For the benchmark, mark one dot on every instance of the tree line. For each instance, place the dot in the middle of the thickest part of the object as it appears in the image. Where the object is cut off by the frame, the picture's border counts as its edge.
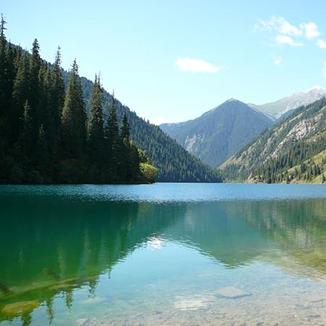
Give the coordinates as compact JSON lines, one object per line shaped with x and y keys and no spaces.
{"x":175,"y":164}
{"x":46,"y":136}
{"x":295,"y":164}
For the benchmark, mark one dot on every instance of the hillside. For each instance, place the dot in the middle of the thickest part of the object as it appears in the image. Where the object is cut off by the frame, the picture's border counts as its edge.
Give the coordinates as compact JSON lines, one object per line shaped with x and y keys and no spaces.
{"x":286,"y":105}
{"x":293,"y":151}
{"x":175,"y":164}
{"x":219,"y":133}
{"x":46,"y":135}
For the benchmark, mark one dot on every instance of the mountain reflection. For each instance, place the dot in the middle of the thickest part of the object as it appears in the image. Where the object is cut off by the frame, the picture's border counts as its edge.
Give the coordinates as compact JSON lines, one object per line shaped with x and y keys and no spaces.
{"x":53,"y":245}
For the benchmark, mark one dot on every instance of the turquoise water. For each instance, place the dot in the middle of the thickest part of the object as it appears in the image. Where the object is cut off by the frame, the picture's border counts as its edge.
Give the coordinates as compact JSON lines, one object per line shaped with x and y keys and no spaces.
{"x":170,"y":254}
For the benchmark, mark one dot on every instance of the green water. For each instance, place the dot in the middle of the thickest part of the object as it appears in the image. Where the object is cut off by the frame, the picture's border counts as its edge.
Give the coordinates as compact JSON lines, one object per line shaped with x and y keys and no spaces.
{"x":170,"y":254}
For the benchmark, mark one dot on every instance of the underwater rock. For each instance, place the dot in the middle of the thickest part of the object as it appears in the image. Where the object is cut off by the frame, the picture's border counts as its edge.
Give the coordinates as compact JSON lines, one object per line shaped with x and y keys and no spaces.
{"x":193,"y":302}
{"x":82,"y":321}
{"x":232,"y":293}
{"x":95,"y":300}
{"x":20,"y":307}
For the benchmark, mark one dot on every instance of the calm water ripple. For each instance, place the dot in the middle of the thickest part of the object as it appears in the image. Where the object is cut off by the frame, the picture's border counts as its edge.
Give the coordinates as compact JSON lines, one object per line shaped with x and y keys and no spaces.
{"x":169,"y":254}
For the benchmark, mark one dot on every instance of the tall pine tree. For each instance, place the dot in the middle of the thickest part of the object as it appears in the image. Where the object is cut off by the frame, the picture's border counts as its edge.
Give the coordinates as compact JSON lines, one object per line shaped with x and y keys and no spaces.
{"x":20,"y":92}
{"x":4,"y":98}
{"x":34,"y":95}
{"x":74,"y":118}
{"x":95,"y":128}
{"x":112,"y":144}
{"x":56,"y":102}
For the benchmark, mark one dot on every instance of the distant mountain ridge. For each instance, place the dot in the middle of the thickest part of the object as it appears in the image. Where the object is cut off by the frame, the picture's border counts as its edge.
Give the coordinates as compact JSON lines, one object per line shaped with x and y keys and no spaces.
{"x":292,"y":151}
{"x":287,"y":104}
{"x":217,"y":134}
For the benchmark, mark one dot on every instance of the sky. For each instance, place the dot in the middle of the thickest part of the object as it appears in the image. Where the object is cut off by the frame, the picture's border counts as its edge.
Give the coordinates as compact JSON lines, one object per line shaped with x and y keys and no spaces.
{"x":172,"y":60}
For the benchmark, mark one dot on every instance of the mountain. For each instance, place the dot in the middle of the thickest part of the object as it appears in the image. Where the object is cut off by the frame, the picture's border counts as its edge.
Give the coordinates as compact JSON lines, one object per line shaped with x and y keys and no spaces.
{"x":292,"y":151}
{"x":288,"y":104}
{"x":175,"y":164}
{"x":219,"y":133}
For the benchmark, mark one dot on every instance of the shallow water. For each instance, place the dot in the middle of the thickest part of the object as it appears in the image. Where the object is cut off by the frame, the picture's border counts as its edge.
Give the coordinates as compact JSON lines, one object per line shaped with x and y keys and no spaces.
{"x":186,"y":254}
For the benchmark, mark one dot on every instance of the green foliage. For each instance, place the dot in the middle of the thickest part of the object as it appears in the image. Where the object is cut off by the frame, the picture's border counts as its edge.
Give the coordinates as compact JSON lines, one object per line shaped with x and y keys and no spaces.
{"x":149,"y":171}
{"x":46,"y":135}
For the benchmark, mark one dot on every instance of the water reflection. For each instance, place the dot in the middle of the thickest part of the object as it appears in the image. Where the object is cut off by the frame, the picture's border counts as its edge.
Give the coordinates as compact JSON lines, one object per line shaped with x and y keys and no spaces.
{"x":55,"y":246}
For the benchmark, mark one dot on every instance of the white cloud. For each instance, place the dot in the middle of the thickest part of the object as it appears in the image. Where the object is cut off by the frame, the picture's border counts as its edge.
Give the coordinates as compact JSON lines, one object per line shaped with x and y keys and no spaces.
{"x":197,"y":65}
{"x":280,"y":25}
{"x":277,"y":61}
{"x":290,"y":34}
{"x":310,"y":30}
{"x":288,"y":40}
{"x":321,"y":44}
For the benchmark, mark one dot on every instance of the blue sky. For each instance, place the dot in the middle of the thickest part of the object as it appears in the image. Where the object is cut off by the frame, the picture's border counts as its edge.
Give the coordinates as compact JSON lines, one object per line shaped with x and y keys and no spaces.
{"x":172,"y":60}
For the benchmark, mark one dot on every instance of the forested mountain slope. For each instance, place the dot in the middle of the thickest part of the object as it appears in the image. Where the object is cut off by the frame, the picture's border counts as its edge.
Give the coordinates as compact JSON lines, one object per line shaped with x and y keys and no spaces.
{"x":175,"y":164}
{"x":46,"y":135}
{"x":293,"y":151}
{"x":219,"y":133}
{"x":35,"y":79}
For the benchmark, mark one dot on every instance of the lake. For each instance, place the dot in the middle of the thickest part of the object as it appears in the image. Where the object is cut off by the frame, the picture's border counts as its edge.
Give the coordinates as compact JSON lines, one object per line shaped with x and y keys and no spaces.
{"x":169,"y":254}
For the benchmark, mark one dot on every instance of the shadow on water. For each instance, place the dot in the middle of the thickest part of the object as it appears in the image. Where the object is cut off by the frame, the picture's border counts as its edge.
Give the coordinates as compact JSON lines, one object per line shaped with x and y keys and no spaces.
{"x":52,"y":246}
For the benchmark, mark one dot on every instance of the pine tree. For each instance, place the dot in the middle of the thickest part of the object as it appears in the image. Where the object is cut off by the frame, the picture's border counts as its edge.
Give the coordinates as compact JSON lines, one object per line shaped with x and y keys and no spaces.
{"x":125,"y":130}
{"x":112,"y":143}
{"x":56,"y":102}
{"x":43,"y":112}
{"x":95,"y":128}
{"x":34,"y":94}
{"x":26,"y":138}
{"x":74,"y":118}
{"x":127,"y":154}
{"x":4,"y":103}
{"x":20,"y":93}
{"x":42,"y":155}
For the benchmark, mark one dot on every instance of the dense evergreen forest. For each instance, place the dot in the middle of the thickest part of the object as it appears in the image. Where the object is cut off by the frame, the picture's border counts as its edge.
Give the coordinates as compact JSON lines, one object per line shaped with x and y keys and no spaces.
{"x":44,"y":89}
{"x":302,"y":162}
{"x":175,"y":164}
{"x":46,"y":135}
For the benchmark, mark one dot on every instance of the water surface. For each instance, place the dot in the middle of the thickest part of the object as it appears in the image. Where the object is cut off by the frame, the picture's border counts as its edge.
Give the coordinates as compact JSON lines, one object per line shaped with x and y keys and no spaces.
{"x":188,"y":254}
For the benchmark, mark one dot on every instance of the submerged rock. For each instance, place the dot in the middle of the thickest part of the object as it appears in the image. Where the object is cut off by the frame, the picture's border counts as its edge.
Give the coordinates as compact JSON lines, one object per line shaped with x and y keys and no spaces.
{"x":193,"y":302}
{"x":232,"y":293}
{"x":95,"y":300}
{"x":82,"y":321}
{"x":20,"y":307}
